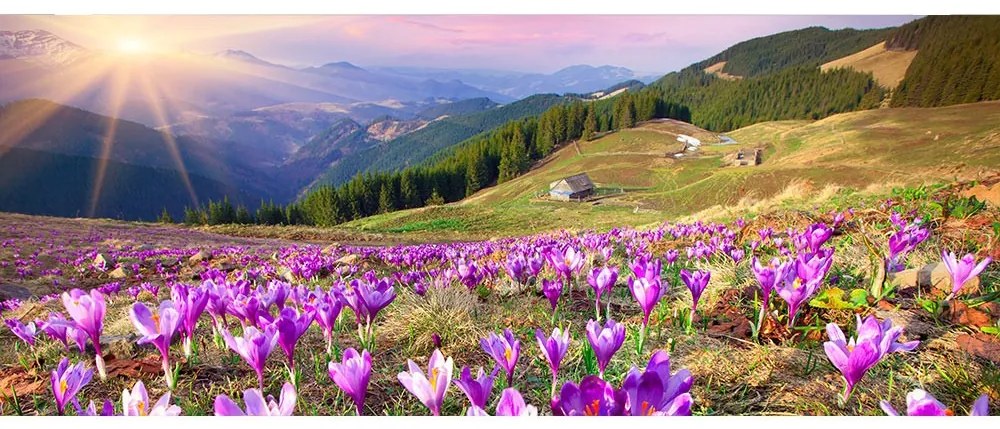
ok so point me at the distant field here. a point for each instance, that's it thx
(804, 163)
(888, 67)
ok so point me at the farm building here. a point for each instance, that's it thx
(570, 188)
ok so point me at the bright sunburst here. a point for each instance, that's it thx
(131, 45)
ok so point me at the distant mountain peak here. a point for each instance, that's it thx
(40, 47)
(241, 55)
(341, 65)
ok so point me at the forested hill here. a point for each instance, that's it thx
(806, 47)
(958, 60)
(415, 147)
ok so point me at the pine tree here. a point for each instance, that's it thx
(589, 124)
(385, 204)
(165, 217)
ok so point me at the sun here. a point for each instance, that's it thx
(131, 46)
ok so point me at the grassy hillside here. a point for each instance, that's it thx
(888, 67)
(806, 163)
(805, 47)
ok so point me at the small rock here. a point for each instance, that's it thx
(118, 273)
(348, 260)
(169, 262)
(101, 261)
(980, 345)
(332, 248)
(12, 291)
(935, 275)
(961, 314)
(202, 255)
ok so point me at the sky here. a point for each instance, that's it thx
(539, 43)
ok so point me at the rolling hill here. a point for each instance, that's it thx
(804, 163)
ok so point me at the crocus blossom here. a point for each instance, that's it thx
(854, 357)
(254, 346)
(67, 380)
(505, 350)
(136, 403)
(696, 282)
(26, 332)
(477, 389)
(157, 329)
(257, 405)
(191, 303)
(352, 376)
(601, 280)
(511, 405)
(656, 391)
(962, 270)
(430, 388)
(605, 341)
(87, 311)
(291, 324)
(554, 349)
(921, 403)
(592, 397)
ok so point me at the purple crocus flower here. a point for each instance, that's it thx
(431, 388)
(67, 380)
(566, 262)
(511, 405)
(107, 410)
(655, 391)
(795, 292)
(352, 376)
(291, 324)
(516, 267)
(962, 270)
(605, 341)
(477, 389)
(137, 403)
(696, 282)
(327, 311)
(856, 356)
(505, 350)
(254, 346)
(157, 329)
(25, 332)
(593, 397)
(921, 403)
(647, 292)
(60, 329)
(552, 289)
(257, 405)
(768, 277)
(87, 311)
(190, 303)
(554, 350)
(601, 280)
(671, 256)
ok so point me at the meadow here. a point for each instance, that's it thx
(864, 310)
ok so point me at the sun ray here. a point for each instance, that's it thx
(121, 81)
(152, 96)
(14, 129)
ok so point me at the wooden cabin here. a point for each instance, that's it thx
(572, 188)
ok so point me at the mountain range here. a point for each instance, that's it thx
(199, 127)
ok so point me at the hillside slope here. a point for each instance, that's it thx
(888, 67)
(858, 153)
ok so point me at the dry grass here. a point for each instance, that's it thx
(888, 67)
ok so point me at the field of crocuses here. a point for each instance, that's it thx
(863, 311)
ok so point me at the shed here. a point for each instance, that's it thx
(572, 188)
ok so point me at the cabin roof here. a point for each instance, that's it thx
(576, 183)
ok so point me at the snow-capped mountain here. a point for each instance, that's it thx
(39, 47)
